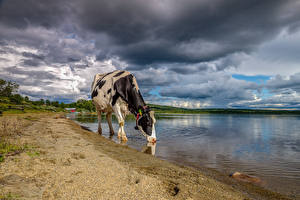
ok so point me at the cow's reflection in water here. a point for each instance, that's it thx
(149, 148)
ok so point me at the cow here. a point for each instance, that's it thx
(119, 92)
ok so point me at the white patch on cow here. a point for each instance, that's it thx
(152, 138)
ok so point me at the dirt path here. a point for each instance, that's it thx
(71, 163)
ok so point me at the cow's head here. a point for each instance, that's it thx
(145, 123)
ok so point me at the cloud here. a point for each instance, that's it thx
(169, 31)
(284, 93)
(50, 80)
(278, 56)
(187, 50)
(284, 84)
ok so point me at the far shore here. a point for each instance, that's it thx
(58, 159)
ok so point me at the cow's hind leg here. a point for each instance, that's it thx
(99, 121)
(108, 118)
(121, 132)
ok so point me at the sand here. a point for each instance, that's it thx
(68, 162)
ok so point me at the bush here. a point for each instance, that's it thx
(16, 98)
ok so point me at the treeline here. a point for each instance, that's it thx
(176, 110)
(82, 105)
(8, 94)
(11, 100)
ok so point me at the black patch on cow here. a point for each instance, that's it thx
(109, 91)
(95, 93)
(100, 84)
(106, 75)
(114, 99)
(119, 73)
(125, 89)
(146, 123)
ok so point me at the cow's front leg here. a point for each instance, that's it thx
(99, 122)
(121, 132)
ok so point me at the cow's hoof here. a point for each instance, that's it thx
(124, 138)
(100, 132)
(111, 133)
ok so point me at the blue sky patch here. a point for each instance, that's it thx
(259, 79)
(155, 91)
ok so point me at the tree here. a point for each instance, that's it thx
(16, 98)
(42, 102)
(48, 103)
(62, 105)
(26, 99)
(85, 104)
(55, 103)
(7, 88)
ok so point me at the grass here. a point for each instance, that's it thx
(9, 149)
(31, 150)
(11, 131)
(9, 196)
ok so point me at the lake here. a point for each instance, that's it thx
(266, 146)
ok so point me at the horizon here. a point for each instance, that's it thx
(199, 55)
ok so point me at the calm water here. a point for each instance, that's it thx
(267, 146)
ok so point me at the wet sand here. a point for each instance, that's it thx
(72, 163)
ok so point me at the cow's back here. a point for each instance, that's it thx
(103, 89)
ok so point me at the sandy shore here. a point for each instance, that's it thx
(68, 162)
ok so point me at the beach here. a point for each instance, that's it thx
(63, 161)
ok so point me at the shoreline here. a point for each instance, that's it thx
(75, 163)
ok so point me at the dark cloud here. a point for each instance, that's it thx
(32, 55)
(31, 62)
(223, 89)
(159, 31)
(30, 74)
(22, 14)
(196, 31)
(284, 85)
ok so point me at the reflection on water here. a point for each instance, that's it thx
(149, 148)
(261, 145)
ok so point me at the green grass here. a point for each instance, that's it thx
(9, 196)
(6, 148)
(33, 153)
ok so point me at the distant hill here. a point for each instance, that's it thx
(170, 109)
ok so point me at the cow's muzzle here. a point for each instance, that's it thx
(152, 138)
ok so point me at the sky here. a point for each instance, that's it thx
(192, 53)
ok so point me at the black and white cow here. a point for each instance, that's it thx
(118, 92)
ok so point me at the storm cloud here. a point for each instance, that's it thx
(185, 51)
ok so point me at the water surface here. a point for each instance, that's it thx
(267, 146)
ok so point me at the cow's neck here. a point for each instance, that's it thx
(136, 103)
